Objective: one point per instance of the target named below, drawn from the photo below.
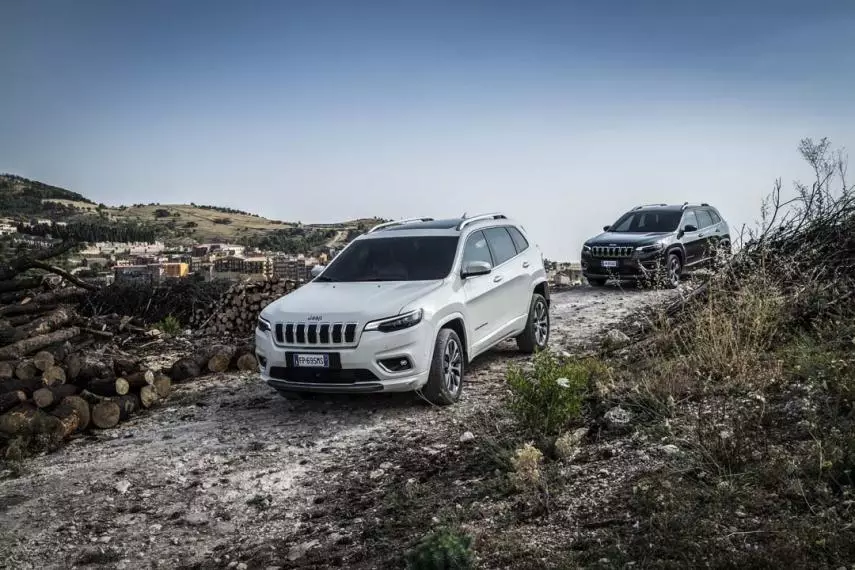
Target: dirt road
(227, 470)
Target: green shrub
(550, 397)
(443, 549)
(169, 325)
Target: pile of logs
(238, 308)
(214, 359)
(58, 392)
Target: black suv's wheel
(445, 381)
(536, 333)
(673, 271)
(596, 282)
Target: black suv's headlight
(652, 248)
(396, 323)
(262, 325)
(586, 249)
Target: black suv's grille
(322, 376)
(293, 334)
(612, 251)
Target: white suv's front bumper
(354, 369)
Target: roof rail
(705, 204)
(398, 223)
(466, 221)
(646, 205)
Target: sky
(562, 115)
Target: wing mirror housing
(475, 268)
(606, 228)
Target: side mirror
(475, 268)
(606, 228)
(690, 228)
(316, 270)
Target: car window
(394, 259)
(704, 219)
(501, 244)
(715, 217)
(689, 219)
(476, 249)
(519, 240)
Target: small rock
(122, 486)
(196, 519)
(376, 474)
(385, 466)
(299, 550)
(616, 339)
(617, 418)
(670, 449)
(467, 436)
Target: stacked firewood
(237, 310)
(58, 391)
(214, 359)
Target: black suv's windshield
(648, 221)
(421, 258)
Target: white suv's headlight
(396, 323)
(262, 325)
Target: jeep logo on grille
(314, 318)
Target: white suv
(407, 306)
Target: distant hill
(24, 200)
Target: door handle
(525, 264)
(700, 235)
(497, 278)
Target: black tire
(596, 282)
(448, 356)
(534, 337)
(673, 271)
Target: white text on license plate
(311, 360)
(609, 263)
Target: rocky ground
(228, 474)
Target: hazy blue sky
(562, 114)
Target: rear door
(706, 233)
(692, 243)
(483, 295)
(512, 279)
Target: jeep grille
(294, 334)
(611, 251)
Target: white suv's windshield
(420, 258)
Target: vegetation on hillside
(95, 229)
(290, 240)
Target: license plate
(608, 263)
(311, 361)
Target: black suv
(656, 243)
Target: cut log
(50, 322)
(53, 297)
(108, 386)
(220, 357)
(184, 369)
(9, 400)
(7, 371)
(50, 396)
(247, 363)
(129, 404)
(139, 379)
(53, 376)
(43, 360)
(26, 419)
(28, 385)
(73, 365)
(92, 368)
(125, 366)
(28, 309)
(162, 385)
(11, 335)
(29, 345)
(26, 370)
(105, 414)
(82, 409)
(69, 420)
(148, 396)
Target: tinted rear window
(519, 240)
(501, 244)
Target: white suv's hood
(359, 302)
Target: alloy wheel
(452, 366)
(540, 323)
